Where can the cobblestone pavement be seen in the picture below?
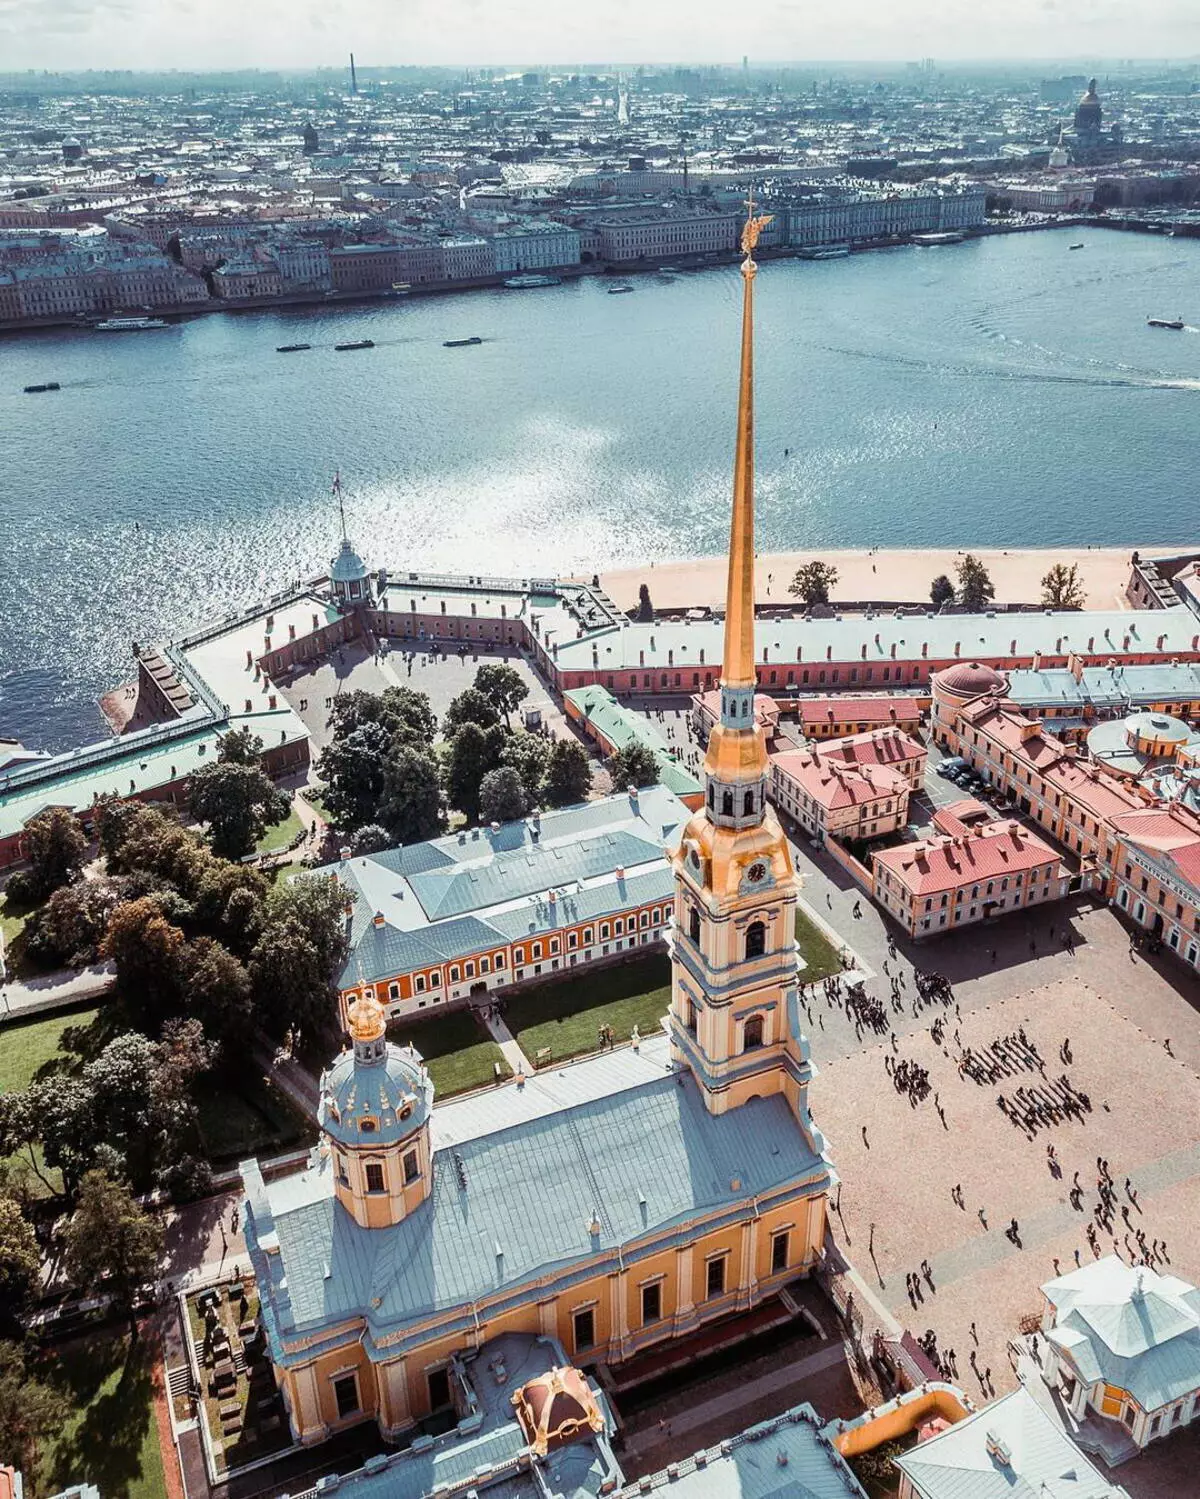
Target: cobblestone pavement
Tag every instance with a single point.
(1118, 1012)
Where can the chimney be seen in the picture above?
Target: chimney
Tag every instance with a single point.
(1012, 646)
(249, 659)
(267, 640)
(554, 897)
(1037, 660)
(270, 622)
(249, 706)
(924, 648)
(291, 632)
(958, 647)
(893, 650)
(1058, 646)
(864, 651)
(316, 622)
(379, 921)
(1125, 643)
(271, 701)
(1091, 643)
(829, 653)
(641, 658)
(1158, 644)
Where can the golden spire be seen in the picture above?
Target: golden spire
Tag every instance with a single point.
(738, 662)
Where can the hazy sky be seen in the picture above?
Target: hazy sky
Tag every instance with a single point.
(303, 33)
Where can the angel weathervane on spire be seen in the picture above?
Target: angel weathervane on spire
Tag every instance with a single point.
(754, 227)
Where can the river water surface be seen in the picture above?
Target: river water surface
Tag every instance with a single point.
(1002, 392)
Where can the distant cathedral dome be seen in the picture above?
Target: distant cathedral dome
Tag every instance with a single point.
(1088, 113)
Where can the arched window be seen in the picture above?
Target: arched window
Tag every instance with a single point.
(756, 939)
(727, 804)
(694, 926)
(748, 804)
(710, 796)
(752, 1033)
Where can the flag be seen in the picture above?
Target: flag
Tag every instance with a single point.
(337, 482)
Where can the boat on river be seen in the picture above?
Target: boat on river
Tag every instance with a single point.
(525, 282)
(1176, 323)
(291, 348)
(616, 291)
(36, 390)
(356, 343)
(461, 343)
(128, 324)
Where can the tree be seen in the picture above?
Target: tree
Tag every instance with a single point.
(56, 848)
(410, 809)
(941, 590)
(20, 1266)
(813, 582)
(352, 768)
(568, 777)
(111, 1244)
(645, 609)
(634, 764)
(30, 1411)
(975, 589)
(501, 796)
(1062, 587)
(300, 953)
(238, 802)
(69, 928)
(147, 950)
(404, 712)
(371, 838)
(219, 992)
(527, 754)
(471, 754)
(503, 687)
(240, 747)
(470, 706)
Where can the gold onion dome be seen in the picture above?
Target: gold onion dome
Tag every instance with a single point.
(365, 1019)
(555, 1408)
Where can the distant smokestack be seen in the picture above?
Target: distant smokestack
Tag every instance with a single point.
(353, 76)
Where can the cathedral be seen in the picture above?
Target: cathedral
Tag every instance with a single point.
(612, 1204)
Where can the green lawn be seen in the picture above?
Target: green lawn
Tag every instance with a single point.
(25, 1048)
(457, 1050)
(281, 835)
(279, 874)
(249, 1118)
(566, 1015)
(821, 957)
(110, 1437)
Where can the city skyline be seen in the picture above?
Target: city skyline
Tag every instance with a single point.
(136, 34)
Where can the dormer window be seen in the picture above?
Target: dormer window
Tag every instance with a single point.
(368, 1126)
(406, 1109)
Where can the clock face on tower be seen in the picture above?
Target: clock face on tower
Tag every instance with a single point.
(757, 873)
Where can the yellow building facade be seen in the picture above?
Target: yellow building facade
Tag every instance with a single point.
(622, 1202)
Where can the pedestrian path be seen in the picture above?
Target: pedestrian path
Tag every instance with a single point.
(54, 991)
(507, 1043)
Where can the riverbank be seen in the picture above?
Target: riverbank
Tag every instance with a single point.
(895, 576)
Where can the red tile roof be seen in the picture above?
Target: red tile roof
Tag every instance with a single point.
(831, 784)
(1172, 834)
(936, 864)
(889, 746)
(869, 709)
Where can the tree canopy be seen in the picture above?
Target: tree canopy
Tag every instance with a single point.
(975, 588)
(645, 608)
(528, 755)
(111, 1244)
(941, 590)
(470, 706)
(568, 777)
(501, 796)
(56, 848)
(1062, 587)
(30, 1411)
(299, 955)
(813, 582)
(410, 809)
(20, 1265)
(502, 686)
(634, 764)
(238, 802)
(470, 755)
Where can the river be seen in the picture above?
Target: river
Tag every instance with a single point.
(1001, 392)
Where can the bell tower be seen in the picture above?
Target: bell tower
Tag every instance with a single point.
(734, 1018)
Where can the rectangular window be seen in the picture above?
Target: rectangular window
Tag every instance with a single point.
(499, 960)
(519, 955)
(584, 1324)
(572, 939)
(714, 1284)
(341, 1170)
(412, 1167)
(587, 934)
(438, 1381)
(345, 1392)
(374, 1176)
(652, 1303)
(779, 1253)
(420, 983)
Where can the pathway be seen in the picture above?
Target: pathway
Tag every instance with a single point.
(507, 1043)
(21, 998)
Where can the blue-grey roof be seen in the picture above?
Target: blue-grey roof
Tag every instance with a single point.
(487, 1452)
(348, 566)
(477, 889)
(1106, 687)
(1043, 1462)
(649, 1158)
(394, 1090)
(785, 1458)
(1131, 1328)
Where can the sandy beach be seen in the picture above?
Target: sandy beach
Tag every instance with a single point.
(885, 576)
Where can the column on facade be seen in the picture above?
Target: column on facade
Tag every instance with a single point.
(685, 1306)
(307, 1420)
(395, 1410)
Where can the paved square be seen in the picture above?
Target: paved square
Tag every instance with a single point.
(1144, 1119)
